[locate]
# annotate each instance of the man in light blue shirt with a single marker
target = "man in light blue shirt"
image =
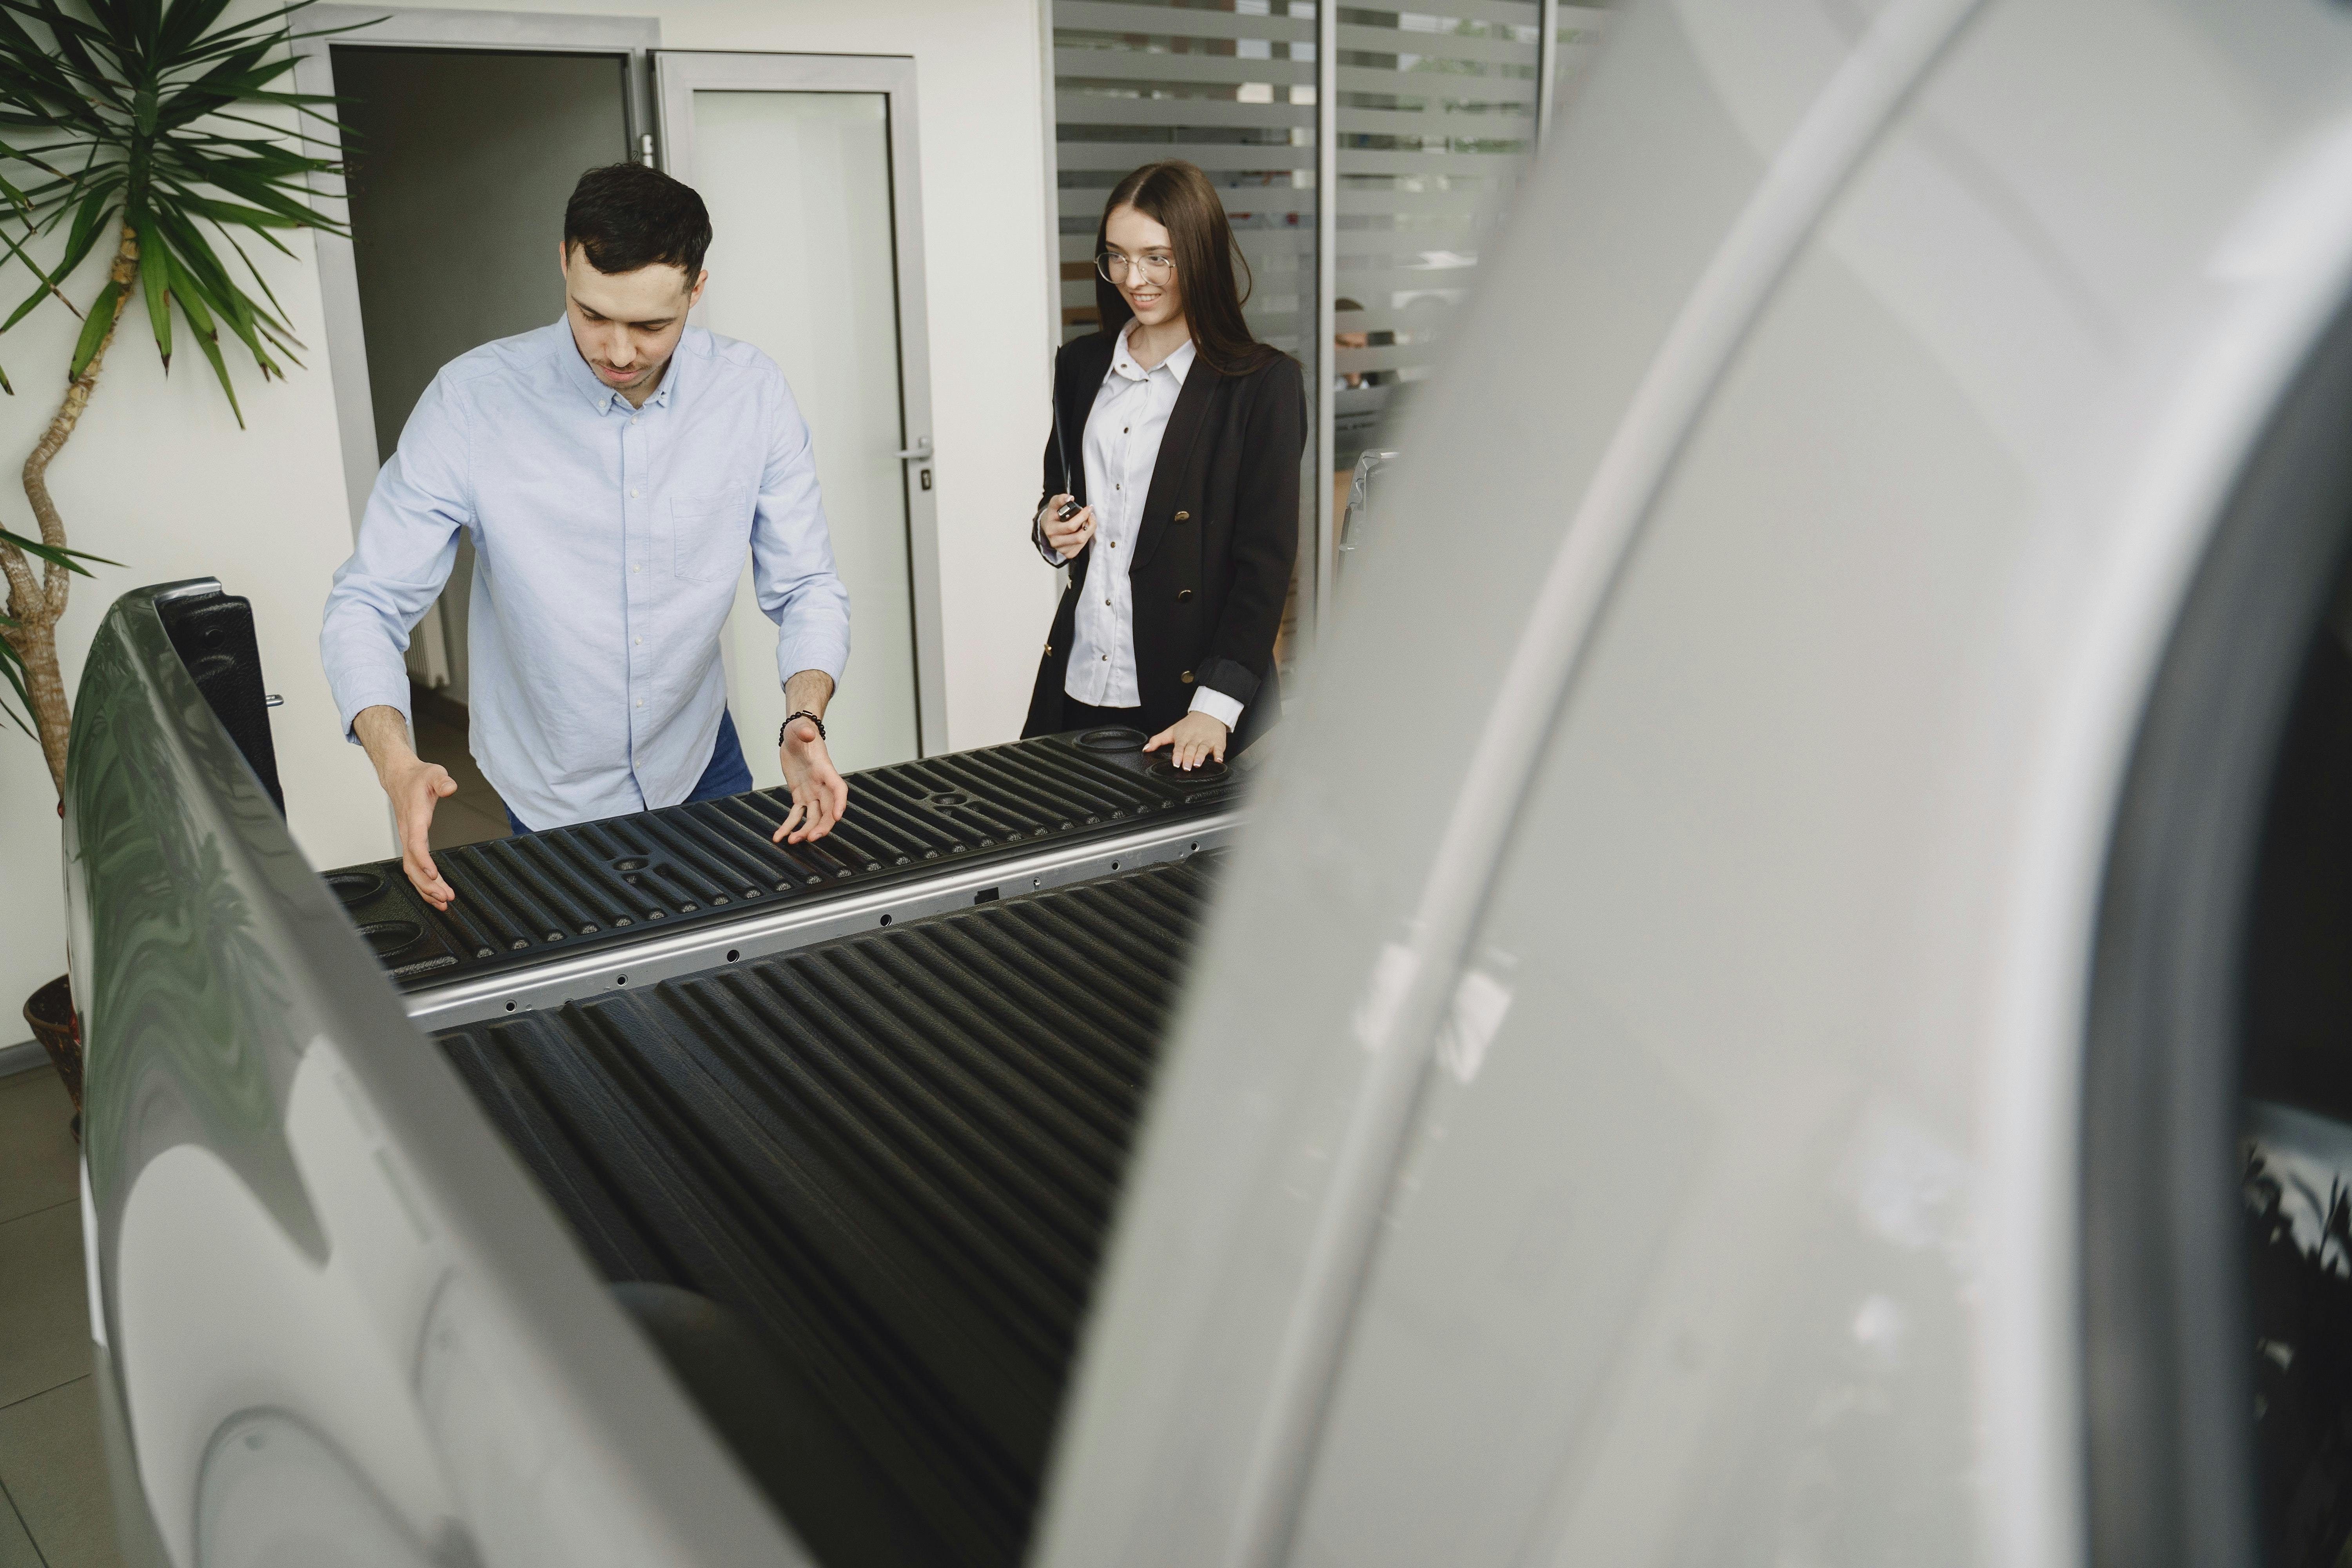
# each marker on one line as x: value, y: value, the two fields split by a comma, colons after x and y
x: 609, y: 470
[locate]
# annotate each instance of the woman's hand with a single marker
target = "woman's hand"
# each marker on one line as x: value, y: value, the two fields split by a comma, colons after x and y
x: 1190, y: 741
x: 1065, y: 539
x: 820, y: 794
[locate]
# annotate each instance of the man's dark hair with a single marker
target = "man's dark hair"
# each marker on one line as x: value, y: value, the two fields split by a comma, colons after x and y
x: 625, y: 216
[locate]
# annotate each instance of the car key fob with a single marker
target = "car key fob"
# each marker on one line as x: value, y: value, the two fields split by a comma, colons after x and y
x: 1069, y: 510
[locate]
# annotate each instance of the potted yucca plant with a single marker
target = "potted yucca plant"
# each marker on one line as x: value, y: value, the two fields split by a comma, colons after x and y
x: 130, y: 124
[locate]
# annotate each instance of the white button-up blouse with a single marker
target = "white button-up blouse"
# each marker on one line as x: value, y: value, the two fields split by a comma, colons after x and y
x: 1122, y: 446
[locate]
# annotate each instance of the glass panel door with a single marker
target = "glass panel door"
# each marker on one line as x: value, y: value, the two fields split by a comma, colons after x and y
x: 804, y: 160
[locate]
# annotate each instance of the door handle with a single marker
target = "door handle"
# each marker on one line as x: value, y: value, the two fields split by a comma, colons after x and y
x: 920, y: 452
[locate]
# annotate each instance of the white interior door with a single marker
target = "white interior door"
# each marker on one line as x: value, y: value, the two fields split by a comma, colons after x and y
x: 806, y: 164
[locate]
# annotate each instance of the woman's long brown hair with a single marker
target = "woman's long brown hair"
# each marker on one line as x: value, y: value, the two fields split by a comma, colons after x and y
x: 1177, y: 196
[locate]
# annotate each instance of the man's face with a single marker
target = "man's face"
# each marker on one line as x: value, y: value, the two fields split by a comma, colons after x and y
x: 626, y: 324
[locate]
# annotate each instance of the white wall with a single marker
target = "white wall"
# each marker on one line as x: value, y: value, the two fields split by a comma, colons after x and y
x: 160, y: 478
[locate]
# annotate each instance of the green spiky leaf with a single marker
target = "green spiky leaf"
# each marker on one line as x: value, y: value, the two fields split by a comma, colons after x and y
x: 155, y: 283
x: 12, y: 666
x: 94, y: 328
x: 55, y: 554
x: 89, y: 218
x: 193, y: 304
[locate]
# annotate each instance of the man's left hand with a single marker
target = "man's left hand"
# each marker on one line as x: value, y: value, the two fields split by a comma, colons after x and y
x: 820, y: 794
x: 1190, y: 741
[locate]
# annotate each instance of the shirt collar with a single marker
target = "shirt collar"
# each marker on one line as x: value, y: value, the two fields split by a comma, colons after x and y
x: 1122, y: 360
x: 602, y: 397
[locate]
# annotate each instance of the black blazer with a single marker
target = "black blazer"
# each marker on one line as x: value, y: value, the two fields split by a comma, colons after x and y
x: 1219, y: 537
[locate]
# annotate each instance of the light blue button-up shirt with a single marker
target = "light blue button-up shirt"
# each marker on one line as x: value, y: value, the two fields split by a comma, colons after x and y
x: 607, y: 541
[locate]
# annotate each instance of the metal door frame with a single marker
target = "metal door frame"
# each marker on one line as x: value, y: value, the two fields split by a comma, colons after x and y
x: 403, y: 28
x: 678, y: 74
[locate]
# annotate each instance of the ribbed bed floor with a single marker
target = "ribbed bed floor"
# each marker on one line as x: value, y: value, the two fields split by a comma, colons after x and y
x: 890, y: 1160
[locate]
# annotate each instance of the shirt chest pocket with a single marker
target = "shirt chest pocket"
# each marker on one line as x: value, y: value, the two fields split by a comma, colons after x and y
x: 709, y: 534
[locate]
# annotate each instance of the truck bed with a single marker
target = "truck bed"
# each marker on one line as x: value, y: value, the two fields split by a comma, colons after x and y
x: 843, y: 1123
x: 890, y: 1159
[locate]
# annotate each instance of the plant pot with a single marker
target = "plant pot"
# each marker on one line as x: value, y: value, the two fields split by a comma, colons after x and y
x: 51, y: 1013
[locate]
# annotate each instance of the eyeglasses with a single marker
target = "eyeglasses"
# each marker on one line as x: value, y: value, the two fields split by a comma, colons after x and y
x: 1155, y: 265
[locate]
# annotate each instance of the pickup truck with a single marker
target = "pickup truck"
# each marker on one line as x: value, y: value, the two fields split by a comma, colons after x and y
x: 836, y: 1126
x: 1784, y: 1001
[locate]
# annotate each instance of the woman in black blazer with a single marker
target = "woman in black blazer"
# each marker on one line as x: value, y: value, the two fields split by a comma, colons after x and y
x: 1180, y: 488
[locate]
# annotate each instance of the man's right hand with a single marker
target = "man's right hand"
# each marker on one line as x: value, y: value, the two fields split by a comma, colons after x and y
x: 413, y: 785
x: 1065, y: 539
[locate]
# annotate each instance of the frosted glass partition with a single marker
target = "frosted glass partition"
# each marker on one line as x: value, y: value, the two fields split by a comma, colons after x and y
x: 1437, y: 124
x: 1433, y: 116
x: 798, y: 184
x: 1578, y: 32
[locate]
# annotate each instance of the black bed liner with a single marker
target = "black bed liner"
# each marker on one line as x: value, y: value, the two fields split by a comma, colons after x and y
x: 890, y: 1159
x: 521, y: 901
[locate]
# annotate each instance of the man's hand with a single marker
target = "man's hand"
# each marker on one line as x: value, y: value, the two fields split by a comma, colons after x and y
x: 1066, y: 539
x: 820, y: 794
x: 413, y: 785
x: 1190, y: 741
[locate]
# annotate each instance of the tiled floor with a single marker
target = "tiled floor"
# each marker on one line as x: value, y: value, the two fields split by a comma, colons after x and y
x: 475, y: 811
x: 54, y: 1512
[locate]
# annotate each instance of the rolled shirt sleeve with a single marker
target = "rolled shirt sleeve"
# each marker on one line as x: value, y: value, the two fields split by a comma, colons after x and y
x: 792, y: 555
x: 1225, y: 710
x: 408, y: 546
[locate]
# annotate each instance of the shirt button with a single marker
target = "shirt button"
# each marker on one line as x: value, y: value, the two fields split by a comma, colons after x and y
x: 640, y: 642
x: 637, y: 568
x: 641, y: 702
x: 632, y: 494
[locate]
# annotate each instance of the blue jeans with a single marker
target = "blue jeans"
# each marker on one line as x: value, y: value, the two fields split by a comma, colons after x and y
x: 727, y: 773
